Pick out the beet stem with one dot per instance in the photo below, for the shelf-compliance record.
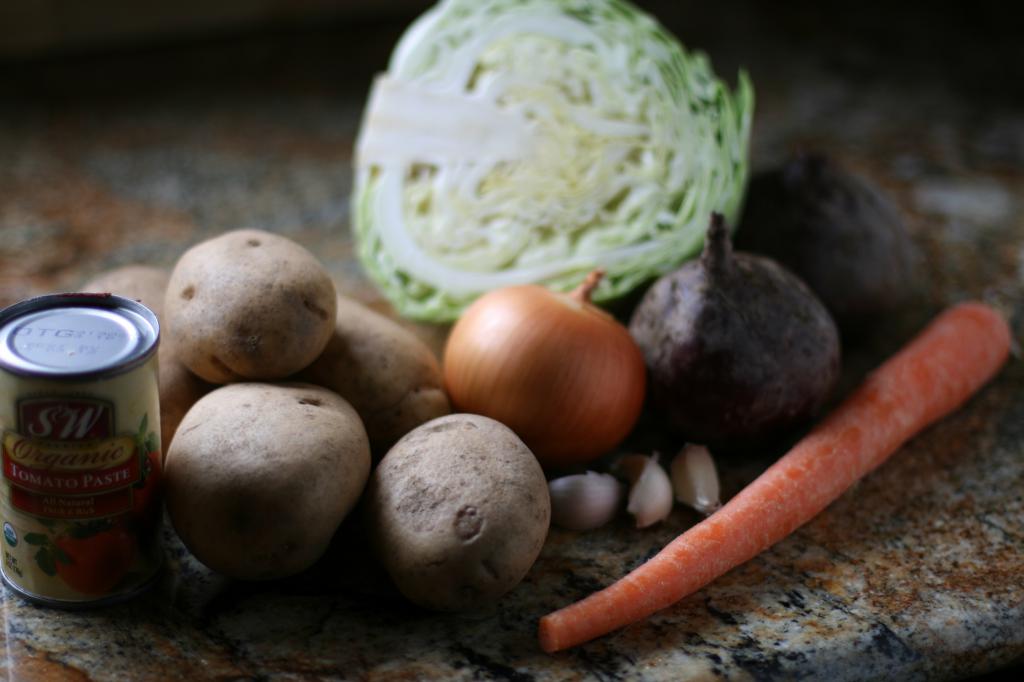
(717, 254)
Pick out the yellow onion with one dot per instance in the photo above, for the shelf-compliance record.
(559, 371)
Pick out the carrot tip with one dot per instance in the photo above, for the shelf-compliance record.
(548, 640)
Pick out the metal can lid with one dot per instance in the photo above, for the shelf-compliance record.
(76, 335)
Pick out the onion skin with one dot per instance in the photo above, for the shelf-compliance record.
(557, 370)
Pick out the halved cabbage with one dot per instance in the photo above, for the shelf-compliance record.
(530, 141)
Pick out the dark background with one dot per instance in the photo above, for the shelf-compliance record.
(897, 90)
(974, 47)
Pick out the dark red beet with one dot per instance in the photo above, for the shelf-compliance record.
(836, 231)
(738, 349)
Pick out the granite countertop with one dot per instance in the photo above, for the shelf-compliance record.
(916, 573)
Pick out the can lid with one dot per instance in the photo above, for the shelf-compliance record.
(76, 335)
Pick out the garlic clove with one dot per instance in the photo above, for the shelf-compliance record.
(650, 498)
(584, 501)
(695, 479)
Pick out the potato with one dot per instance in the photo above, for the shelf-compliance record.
(143, 283)
(249, 305)
(259, 476)
(390, 376)
(179, 388)
(458, 511)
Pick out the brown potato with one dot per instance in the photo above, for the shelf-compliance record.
(259, 476)
(143, 283)
(390, 376)
(458, 511)
(179, 388)
(249, 305)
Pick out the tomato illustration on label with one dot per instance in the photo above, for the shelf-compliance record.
(91, 558)
(96, 563)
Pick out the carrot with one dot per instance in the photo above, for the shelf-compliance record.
(933, 375)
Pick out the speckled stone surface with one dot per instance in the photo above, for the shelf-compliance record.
(915, 574)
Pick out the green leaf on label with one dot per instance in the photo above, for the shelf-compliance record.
(151, 443)
(45, 560)
(144, 426)
(62, 556)
(36, 539)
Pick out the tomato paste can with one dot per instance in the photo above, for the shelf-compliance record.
(80, 502)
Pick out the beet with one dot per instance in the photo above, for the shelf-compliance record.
(836, 231)
(738, 349)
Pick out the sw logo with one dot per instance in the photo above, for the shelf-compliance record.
(65, 419)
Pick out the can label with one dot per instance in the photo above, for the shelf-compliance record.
(70, 465)
(80, 499)
(76, 495)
